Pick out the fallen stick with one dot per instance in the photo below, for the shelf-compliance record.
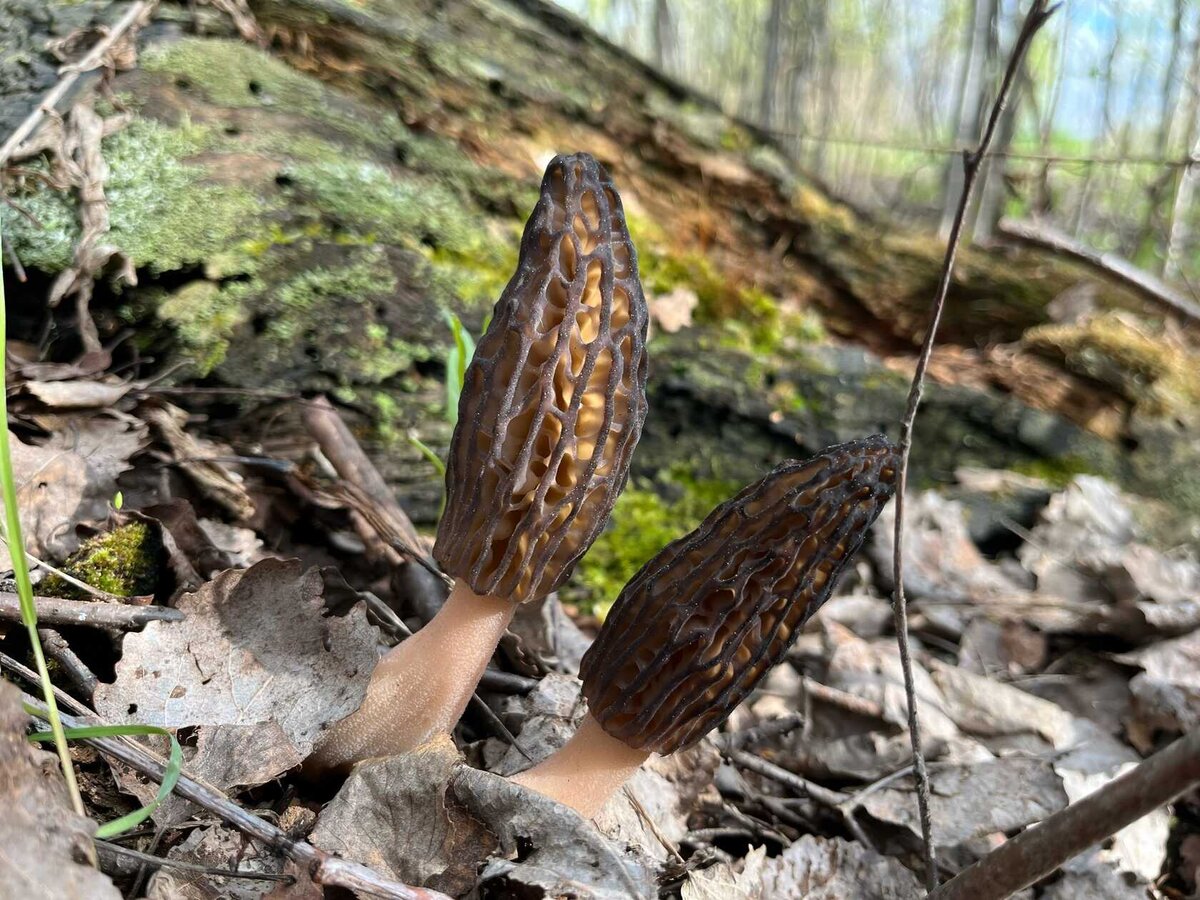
(378, 517)
(1040, 849)
(324, 868)
(92, 613)
(135, 16)
(1114, 267)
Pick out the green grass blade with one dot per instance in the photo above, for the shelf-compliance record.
(170, 774)
(16, 550)
(457, 359)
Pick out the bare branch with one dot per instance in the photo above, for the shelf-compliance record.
(96, 614)
(1039, 13)
(1146, 285)
(1042, 848)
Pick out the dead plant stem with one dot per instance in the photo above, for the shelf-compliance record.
(1036, 18)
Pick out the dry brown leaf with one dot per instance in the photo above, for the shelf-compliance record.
(673, 310)
(392, 815)
(219, 847)
(721, 882)
(77, 394)
(816, 868)
(197, 458)
(257, 665)
(974, 800)
(428, 819)
(69, 479)
(42, 842)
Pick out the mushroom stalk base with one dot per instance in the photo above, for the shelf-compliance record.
(588, 769)
(420, 687)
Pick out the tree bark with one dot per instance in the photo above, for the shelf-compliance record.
(770, 76)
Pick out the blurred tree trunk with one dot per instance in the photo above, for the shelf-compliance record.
(994, 187)
(1156, 219)
(1082, 221)
(824, 40)
(981, 58)
(770, 77)
(1043, 198)
(1178, 226)
(664, 36)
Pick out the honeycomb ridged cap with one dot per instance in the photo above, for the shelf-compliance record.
(554, 399)
(703, 621)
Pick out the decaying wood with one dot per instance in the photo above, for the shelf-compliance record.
(1110, 265)
(1042, 848)
(95, 614)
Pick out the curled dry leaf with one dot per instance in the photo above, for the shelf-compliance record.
(197, 458)
(257, 667)
(77, 394)
(427, 819)
(1086, 756)
(816, 868)
(69, 479)
(42, 842)
(1166, 694)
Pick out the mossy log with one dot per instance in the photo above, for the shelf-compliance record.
(302, 209)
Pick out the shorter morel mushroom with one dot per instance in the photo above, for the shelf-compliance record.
(551, 409)
(703, 621)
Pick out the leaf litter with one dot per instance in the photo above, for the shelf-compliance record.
(1041, 674)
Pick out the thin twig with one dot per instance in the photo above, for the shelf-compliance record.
(1042, 848)
(73, 667)
(746, 760)
(71, 579)
(1039, 13)
(324, 868)
(160, 862)
(736, 740)
(95, 57)
(53, 611)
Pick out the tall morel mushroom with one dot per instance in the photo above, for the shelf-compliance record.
(703, 621)
(551, 408)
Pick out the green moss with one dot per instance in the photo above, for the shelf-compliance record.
(1055, 471)
(320, 302)
(205, 316)
(368, 199)
(124, 562)
(1153, 369)
(161, 212)
(646, 518)
(236, 74)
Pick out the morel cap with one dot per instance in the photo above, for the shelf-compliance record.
(704, 620)
(553, 402)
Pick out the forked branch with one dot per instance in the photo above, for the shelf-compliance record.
(1039, 13)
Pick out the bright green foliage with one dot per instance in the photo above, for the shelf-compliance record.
(124, 562)
(458, 357)
(647, 517)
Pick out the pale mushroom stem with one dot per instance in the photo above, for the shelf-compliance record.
(421, 687)
(586, 771)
